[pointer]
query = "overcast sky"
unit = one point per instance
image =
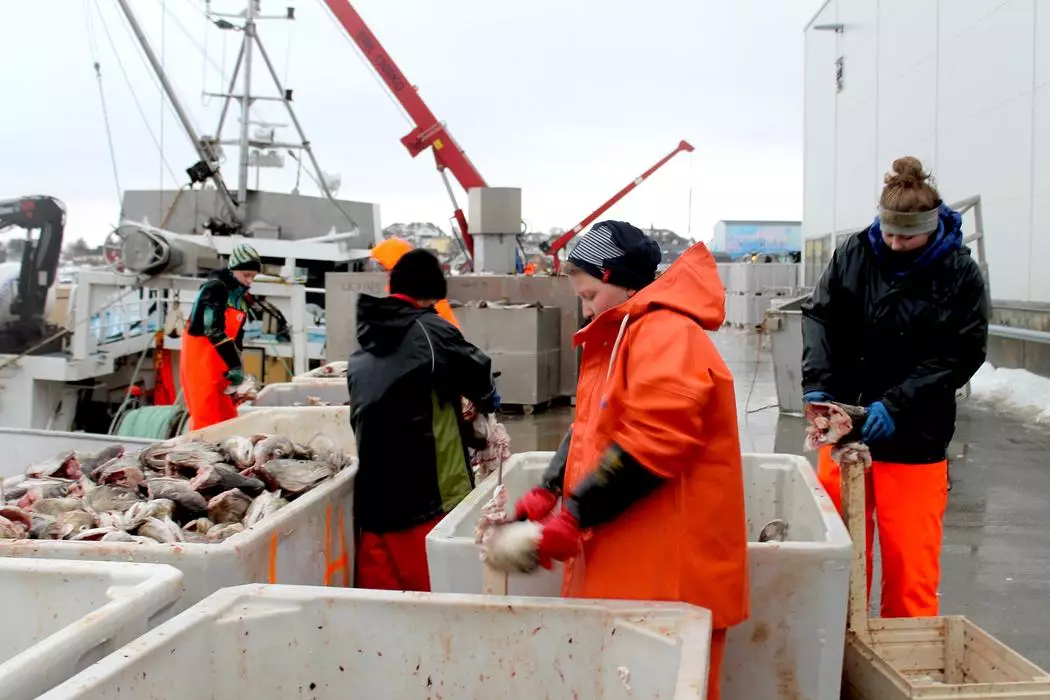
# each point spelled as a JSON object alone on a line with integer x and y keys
{"x": 567, "y": 99}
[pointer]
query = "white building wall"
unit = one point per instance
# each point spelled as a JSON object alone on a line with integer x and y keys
{"x": 964, "y": 85}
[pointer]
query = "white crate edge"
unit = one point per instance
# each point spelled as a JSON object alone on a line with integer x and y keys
{"x": 694, "y": 627}
{"x": 446, "y": 569}
{"x": 55, "y": 658}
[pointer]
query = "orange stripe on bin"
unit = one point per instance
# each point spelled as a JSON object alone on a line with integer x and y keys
{"x": 327, "y": 545}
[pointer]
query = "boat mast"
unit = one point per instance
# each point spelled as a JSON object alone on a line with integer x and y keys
{"x": 210, "y": 148}
{"x": 245, "y": 142}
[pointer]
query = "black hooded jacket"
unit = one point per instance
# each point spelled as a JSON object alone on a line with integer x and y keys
{"x": 406, "y": 380}
{"x": 905, "y": 329}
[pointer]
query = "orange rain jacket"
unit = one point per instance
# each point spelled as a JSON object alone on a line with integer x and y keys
{"x": 652, "y": 381}
{"x": 389, "y": 252}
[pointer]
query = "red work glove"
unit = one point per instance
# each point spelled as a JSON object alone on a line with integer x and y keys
{"x": 536, "y": 505}
{"x": 559, "y": 540}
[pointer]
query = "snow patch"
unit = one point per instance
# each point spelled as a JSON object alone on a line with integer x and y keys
{"x": 1014, "y": 391}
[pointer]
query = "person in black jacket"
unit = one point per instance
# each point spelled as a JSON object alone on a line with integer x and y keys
{"x": 406, "y": 380}
{"x": 897, "y": 324}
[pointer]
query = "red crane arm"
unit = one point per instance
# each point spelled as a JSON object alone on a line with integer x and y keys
{"x": 429, "y": 132}
{"x": 563, "y": 240}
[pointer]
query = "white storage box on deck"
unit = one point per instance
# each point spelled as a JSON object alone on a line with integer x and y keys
{"x": 288, "y": 394}
{"x": 791, "y": 646}
{"x": 23, "y": 447}
{"x": 452, "y": 556}
{"x": 310, "y": 541}
{"x": 61, "y": 616}
{"x": 306, "y": 642}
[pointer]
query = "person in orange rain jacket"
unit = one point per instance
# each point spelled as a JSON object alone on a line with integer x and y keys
{"x": 650, "y": 475}
{"x": 210, "y": 359}
{"x": 389, "y": 252}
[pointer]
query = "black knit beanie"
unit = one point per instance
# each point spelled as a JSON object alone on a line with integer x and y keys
{"x": 418, "y": 275}
{"x": 618, "y": 253}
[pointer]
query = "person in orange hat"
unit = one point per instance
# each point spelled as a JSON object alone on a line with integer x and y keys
{"x": 389, "y": 252}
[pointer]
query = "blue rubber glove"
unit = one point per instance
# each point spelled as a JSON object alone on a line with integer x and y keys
{"x": 236, "y": 376}
{"x": 879, "y": 425}
{"x": 813, "y": 396}
{"x": 497, "y": 400}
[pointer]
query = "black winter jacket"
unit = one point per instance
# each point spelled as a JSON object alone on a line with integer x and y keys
{"x": 905, "y": 329}
{"x": 406, "y": 380}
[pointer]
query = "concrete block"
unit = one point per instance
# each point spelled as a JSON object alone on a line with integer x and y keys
{"x": 524, "y": 345}
{"x": 343, "y": 288}
{"x": 548, "y": 291}
{"x": 341, "y": 292}
{"x": 494, "y": 220}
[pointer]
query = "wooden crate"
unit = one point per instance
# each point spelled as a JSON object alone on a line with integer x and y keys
{"x": 926, "y": 658}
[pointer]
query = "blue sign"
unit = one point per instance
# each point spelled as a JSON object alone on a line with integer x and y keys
{"x": 774, "y": 239}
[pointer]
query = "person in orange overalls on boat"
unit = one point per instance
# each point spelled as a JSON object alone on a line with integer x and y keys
{"x": 897, "y": 323}
{"x": 389, "y": 252}
{"x": 211, "y": 346}
{"x": 650, "y": 475}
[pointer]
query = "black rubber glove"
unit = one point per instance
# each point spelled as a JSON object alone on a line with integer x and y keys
{"x": 618, "y": 482}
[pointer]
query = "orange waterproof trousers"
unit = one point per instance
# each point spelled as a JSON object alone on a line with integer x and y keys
{"x": 394, "y": 561}
{"x": 202, "y": 373}
{"x": 907, "y": 503}
{"x": 714, "y": 670}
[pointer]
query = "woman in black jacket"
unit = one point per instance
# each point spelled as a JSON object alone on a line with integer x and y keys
{"x": 898, "y": 323}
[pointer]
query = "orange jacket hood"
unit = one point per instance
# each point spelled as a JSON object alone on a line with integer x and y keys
{"x": 690, "y": 286}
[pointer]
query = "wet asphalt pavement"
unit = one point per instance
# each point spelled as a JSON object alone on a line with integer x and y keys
{"x": 995, "y": 561}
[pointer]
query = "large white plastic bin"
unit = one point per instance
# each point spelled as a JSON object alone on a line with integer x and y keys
{"x": 286, "y": 394}
{"x": 791, "y": 647}
{"x": 452, "y": 556}
{"x": 306, "y": 642}
{"x": 310, "y": 541}
{"x": 23, "y": 447}
{"x": 62, "y": 616}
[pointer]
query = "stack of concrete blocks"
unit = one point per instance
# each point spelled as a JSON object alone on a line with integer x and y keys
{"x": 555, "y": 294}
{"x": 525, "y": 347}
{"x": 750, "y": 287}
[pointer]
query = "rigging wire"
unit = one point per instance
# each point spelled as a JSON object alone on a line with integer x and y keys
{"x": 202, "y": 50}
{"x": 140, "y": 52}
{"x": 131, "y": 88}
{"x": 163, "y": 101}
{"x": 371, "y": 70}
{"x": 93, "y": 42}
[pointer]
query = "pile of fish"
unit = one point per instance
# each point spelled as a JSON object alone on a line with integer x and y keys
{"x": 168, "y": 492}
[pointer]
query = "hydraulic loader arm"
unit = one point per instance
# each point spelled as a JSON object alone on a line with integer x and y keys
{"x": 41, "y": 256}
{"x": 428, "y": 131}
{"x": 552, "y": 249}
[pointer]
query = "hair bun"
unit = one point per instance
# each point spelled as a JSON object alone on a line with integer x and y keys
{"x": 907, "y": 172}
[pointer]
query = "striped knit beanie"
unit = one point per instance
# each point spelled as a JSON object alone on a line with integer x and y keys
{"x": 617, "y": 253}
{"x": 244, "y": 257}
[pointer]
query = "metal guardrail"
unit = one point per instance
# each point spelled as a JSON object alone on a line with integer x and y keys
{"x": 1014, "y": 333}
